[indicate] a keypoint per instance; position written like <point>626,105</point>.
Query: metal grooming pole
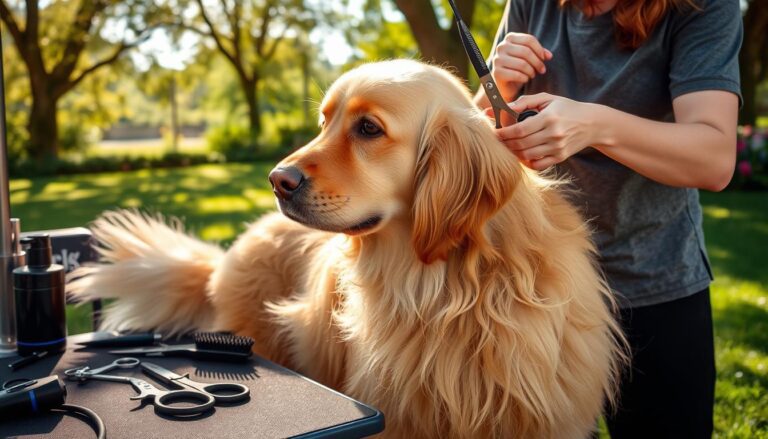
<point>10,253</point>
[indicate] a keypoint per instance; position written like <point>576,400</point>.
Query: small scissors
<point>220,392</point>
<point>489,85</point>
<point>182,402</point>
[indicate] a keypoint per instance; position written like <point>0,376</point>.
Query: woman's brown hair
<point>634,19</point>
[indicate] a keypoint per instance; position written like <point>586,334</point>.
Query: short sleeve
<point>705,49</point>
<point>513,20</point>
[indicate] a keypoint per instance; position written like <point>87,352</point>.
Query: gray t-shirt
<point>649,235</point>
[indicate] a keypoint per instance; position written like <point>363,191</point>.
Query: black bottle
<point>40,302</point>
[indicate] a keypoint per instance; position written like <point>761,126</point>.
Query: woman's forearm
<point>695,153</point>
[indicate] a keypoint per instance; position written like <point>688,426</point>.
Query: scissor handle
<point>526,114</point>
<point>226,392</point>
<point>520,116</point>
<point>179,402</point>
<point>86,371</point>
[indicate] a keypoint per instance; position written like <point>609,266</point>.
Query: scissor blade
<point>161,373</point>
<point>470,46</point>
<point>496,99</point>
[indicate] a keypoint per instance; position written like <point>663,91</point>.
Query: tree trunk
<point>43,128</point>
<point>174,115</point>
<point>436,44</point>
<point>748,112</point>
<point>750,60</point>
<point>251,89</point>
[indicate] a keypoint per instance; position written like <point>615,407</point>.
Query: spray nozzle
<point>38,248</point>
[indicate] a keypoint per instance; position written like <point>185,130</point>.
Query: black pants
<point>669,391</point>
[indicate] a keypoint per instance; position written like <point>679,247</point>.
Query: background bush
<point>751,159</point>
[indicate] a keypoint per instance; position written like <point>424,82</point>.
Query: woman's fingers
<point>506,70</point>
<point>525,54</point>
<point>530,147</point>
<point>536,102</point>
<point>521,129</point>
<point>543,163</point>
<point>517,59</point>
<point>519,65</point>
<point>529,41</point>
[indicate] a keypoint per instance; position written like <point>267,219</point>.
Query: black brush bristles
<point>222,341</point>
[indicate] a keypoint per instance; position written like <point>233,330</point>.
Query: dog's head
<point>400,141</point>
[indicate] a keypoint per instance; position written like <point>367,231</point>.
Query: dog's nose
<point>286,181</point>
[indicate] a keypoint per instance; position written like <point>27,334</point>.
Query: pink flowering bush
<point>751,159</point>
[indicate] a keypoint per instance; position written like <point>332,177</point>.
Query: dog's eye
<point>369,129</point>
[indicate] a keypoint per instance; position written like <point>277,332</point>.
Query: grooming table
<point>282,403</point>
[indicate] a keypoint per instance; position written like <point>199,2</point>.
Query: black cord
<point>95,420</point>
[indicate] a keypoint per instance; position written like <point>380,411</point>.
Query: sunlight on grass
<point>150,148</point>
<point>214,172</point>
<point>19,184</point>
<point>154,173</point>
<point>718,253</point>
<point>19,197</point>
<point>80,194</point>
<point>180,197</point>
<point>129,203</point>
<point>218,232</point>
<point>740,311</point>
<point>106,180</point>
<point>717,212</point>
<point>262,198</point>
<point>57,187</point>
<point>194,183</point>
<point>222,204</point>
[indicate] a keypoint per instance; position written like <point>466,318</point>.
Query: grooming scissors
<point>220,392</point>
<point>184,401</point>
<point>489,85</point>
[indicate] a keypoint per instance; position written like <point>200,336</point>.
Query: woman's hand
<point>562,128</point>
<point>518,59</point>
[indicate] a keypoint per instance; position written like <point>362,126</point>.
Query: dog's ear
<point>463,176</point>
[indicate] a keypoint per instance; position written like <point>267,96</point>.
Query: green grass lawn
<point>216,201</point>
<point>149,148</point>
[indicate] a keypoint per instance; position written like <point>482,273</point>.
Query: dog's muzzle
<point>286,181</point>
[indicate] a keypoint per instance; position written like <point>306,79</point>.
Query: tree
<point>162,84</point>
<point>54,45</point>
<point>437,43</point>
<point>248,34</point>
<point>753,58</point>
<point>432,29</point>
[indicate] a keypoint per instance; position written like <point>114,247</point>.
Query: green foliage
<point>95,164</point>
<point>18,99</point>
<point>751,159</point>
<point>73,138</point>
<point>292,137</point>
<point>230,139</point>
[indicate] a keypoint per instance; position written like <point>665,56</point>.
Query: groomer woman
<point>638,104</point>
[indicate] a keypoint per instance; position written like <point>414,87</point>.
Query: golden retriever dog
<point>416,266</point>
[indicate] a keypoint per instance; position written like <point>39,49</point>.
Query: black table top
<point>282,403</point>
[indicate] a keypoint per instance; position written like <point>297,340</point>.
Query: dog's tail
<point>157,274</point>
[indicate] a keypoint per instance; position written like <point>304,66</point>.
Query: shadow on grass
<point>744,323</point>
<point>736,230</point>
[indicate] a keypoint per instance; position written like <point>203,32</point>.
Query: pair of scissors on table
<point>189,398</point>
<point>481,68</point>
